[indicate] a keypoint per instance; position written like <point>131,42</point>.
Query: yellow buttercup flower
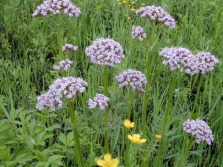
<point>158,136</point>
<point>108,162</point>
<point>133,9</point>
<point>136,139</point>
<point>128,124</point>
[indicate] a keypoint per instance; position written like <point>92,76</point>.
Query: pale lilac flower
<point>206,62</point>
<point>66,87</point>
<point>138,32</point>
<point>69,47</point>
<point>157,13</point>
<point>133,78</point>
<point>55,6</point>
<point>99,100</point>
<point>64,65</point>
<point>199,129</point>
<point>180,58</point>
<point>105,51</point>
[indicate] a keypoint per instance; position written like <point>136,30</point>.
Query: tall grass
<point>29,49</point>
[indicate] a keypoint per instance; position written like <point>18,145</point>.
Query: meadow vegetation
<point>134,127</point>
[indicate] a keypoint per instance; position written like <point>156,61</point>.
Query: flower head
<point>206,62</point>
<point>133,78</point>
<point>128,124</point>
<point>138,32</point>
<point>69,47</point>
<point>156,13</point>
<point>64,65</point>
<point>55,6</point>
<point>105,51</point>
<point>199,129</point>
<point>185,61</point>
<point>108,162</point>
<point>66,87</point>
<point>99,100</point>
<point>158,136</point>
<point>136,139</point>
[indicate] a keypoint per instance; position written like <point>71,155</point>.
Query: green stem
<point>130,103</point>
<point>148,71</point>
<point>196,97</point>
<point>166,118</point>
<point>189,145</point>
<point>59,40</point>
<point>106,109</point>
<point>76,136</point>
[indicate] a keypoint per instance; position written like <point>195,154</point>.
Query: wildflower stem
<point>76,136</point>
<point>166,117</point>
<point>59,40</point>
<point>196,97</point>
<point>130,103</point>
<point>106,109</point>
<point>148,71</point>
<point>190,143</point>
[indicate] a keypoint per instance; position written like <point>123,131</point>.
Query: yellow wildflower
<point>133,9</point>
<point>128,124</point>
<point>108,162</point>
<point>143,4</point>
<point>132,3</point>
<point>136,139</point>
<point>158,136</point>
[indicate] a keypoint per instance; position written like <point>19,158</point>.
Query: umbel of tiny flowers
<point>185,61</point>
<point>64,65</point>
<point>135,138</point>
<point>69,47</point>
<point>179,58</point>
<point>99,100</point>
<point>105,51</point>
<point>206,62</point>
<point>138,32</point>
<point>55,6</point>
<point>66,87</point>
<point>133,78</point>
<point>199,129</point>
<point>128,124</point>
<point>108,161</point>
<point>156,13</point>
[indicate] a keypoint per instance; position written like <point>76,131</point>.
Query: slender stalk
<point>189,145</point>
<point>106,109</point>
<point>76,136</point>
<point>59,40</point>
<point>196,97</point>
<point>129,103</point>
<point>169,101</point>
<point>166,117</point>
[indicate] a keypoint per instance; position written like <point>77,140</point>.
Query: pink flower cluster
<point>138,32</point>
<point>199,129</point>
<point>105,51</point>
<point>157,13</point>
<point>185,61</point>
<point>99,100</point>
<point>64,65</point>
<point>133,78</point>
<point>55,6</point>
<point>69,47</point>
<point>66,87</point>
